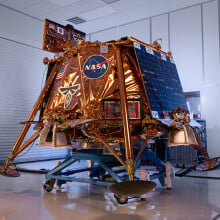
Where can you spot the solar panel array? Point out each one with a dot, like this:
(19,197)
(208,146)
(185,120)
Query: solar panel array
(161,80)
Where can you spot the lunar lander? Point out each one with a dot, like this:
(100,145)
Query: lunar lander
(105,101)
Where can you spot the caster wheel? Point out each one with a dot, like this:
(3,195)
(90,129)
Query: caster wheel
(121,200)
(48,185)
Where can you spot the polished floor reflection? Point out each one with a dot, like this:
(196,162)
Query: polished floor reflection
(190,198)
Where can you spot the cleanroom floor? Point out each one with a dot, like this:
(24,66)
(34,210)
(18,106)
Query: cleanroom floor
(23,198)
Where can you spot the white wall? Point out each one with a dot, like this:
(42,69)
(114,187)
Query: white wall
(160,29)
(211,86)
(186,45)
(131,29)
(107,35)
(192,34)
(21,78)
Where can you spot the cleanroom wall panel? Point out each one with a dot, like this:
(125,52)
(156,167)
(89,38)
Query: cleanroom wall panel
(160,30)
(211,90)
(210,97)
(21,80)
(139,30)
(211,43)
(186,45)
(106,35)
(21,75)
(132,29)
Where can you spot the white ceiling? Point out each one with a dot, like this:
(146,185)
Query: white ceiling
(98,14)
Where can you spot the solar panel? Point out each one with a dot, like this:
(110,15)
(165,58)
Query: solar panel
(161,80)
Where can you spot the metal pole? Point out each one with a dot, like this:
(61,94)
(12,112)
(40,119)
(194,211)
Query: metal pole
(201,147)
(142,149)
(125,119)
(82,86)
(28,142)
(108,147)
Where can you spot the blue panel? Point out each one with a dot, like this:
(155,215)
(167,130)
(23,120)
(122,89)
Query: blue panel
(161,80)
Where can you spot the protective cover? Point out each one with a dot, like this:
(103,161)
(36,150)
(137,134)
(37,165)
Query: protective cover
(87,78)
(86,89)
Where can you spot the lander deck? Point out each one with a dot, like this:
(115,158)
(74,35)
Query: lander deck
(99,95)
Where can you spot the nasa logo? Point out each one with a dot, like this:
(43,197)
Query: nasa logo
(96,66)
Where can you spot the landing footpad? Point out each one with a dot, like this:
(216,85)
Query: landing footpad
(132,188)
(209,164)
(8,172)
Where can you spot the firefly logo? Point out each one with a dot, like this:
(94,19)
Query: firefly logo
(96,66)
(68,92)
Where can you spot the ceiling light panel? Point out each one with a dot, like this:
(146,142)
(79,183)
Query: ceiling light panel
(124,5)
(74,9)
(21,4)
(2,1)
(41,8)
(63,3)
(98,13)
